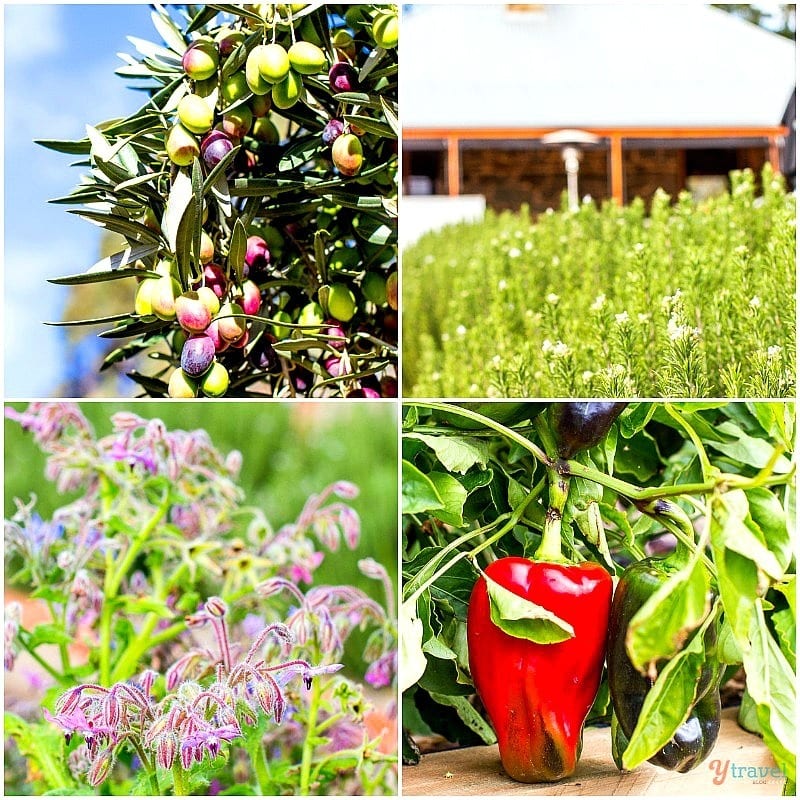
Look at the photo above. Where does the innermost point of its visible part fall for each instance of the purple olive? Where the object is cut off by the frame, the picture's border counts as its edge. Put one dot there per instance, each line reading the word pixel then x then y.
pixel 364 392
pixel 197 355
pixel 342 78
pixel 215 147
pixel 257 255
pixel 332 131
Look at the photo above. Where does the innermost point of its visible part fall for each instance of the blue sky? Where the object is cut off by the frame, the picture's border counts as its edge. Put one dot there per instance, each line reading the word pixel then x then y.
pixel 59 75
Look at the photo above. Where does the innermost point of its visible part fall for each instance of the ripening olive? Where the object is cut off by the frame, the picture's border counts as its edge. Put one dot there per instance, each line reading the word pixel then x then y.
pixel 182 147
pixel 273 62
pixel 307 58
pixel 200 60
pixel 341 302
pixel 195 113
pixel 286 93
pixel 347 154
pixel 181 385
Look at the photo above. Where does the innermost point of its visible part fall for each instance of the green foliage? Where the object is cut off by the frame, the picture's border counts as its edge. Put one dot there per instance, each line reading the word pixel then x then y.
pixel 150 179
pixel 711 484
pixel 288 454
pixel 688 301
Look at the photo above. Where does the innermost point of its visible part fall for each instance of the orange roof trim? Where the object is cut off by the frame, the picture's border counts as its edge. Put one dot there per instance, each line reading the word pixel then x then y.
pixel 714 132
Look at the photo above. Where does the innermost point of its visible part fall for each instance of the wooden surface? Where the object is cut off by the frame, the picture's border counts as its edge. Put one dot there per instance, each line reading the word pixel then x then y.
pixel 477 771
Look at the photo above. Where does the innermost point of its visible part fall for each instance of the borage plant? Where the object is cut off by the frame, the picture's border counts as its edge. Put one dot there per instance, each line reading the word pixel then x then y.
pixel 188 649
pixel 256 194
pixel 518 516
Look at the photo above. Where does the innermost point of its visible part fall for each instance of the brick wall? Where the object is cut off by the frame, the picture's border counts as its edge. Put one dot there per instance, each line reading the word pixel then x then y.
pixel 509 178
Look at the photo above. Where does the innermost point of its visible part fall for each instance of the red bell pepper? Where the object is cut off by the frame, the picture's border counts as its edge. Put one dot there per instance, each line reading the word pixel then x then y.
pixel 538 695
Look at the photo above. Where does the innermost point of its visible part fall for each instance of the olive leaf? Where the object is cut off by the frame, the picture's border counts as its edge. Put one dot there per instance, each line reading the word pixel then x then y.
pixel 524 619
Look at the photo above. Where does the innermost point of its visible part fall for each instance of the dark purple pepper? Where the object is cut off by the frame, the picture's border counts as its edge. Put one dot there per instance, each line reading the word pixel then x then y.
pixel 579 426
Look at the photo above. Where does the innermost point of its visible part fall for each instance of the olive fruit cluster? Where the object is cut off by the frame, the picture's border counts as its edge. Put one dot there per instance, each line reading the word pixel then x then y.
pixel 257 194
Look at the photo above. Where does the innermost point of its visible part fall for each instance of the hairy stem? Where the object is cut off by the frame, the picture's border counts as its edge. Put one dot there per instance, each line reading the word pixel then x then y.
pixel 311 732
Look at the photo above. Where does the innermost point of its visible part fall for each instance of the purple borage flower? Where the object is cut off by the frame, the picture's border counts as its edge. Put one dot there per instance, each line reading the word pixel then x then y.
pixel 191 721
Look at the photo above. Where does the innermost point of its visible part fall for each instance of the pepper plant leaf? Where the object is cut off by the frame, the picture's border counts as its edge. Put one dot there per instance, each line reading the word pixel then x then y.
pixel 771 684
pixel 453 496
pixel 523 619
pixel 412 661
pixel 660 627
pixel 670 700
pixel 457 454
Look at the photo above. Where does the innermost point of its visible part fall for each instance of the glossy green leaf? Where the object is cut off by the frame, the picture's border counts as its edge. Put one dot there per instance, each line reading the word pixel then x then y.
pixel 771 683
pixel 237 250
pixel 660 627
pixel 669 701
pixel 457 454
pixel 523 619
pixel 129 228
pixel 419 493
pixel 453 496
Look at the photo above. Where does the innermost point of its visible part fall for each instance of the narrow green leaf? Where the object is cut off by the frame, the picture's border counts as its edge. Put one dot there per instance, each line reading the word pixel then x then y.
pixel 127 227
pixel 169 32
pixel 373 59
pixel 222 196
pixel 390 113
pixel 237 251
pixel 263 187
pixel 150 49
pixel 371 125
pixel 220 169
pixel 100 277
pixel 180 196
pixel 302 151
pixel 374 230
pixel 72 323
pixel 153 386
pixel 184 243
pixel 133 328
pixel 524 619
pixel 197 192
pixel 357 99
pixel 79 147
pixel 204 16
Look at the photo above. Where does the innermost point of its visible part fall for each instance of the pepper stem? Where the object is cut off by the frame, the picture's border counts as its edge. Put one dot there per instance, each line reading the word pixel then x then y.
pixel 550 547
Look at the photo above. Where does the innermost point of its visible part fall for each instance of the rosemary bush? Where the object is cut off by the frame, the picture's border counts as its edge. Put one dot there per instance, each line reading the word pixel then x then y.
pixel 690 300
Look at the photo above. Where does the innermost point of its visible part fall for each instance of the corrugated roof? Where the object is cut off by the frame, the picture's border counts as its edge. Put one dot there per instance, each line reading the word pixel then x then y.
pixel 590 65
